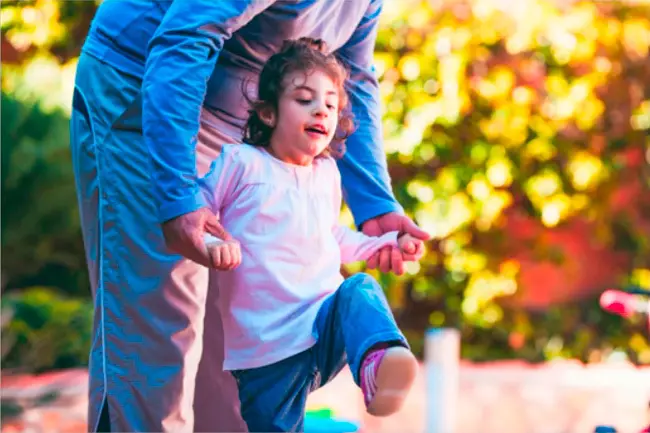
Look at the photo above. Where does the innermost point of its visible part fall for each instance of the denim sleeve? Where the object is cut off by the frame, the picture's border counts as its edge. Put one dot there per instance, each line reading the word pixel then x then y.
pixel 366 183
pixel 181 56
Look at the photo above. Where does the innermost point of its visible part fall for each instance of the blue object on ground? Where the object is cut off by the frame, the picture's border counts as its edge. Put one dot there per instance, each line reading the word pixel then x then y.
pixel 604 429
pixel 319 424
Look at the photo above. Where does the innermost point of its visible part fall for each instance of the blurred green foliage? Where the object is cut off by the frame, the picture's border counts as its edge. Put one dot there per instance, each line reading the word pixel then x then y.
pixel 47 330
pixel 517 135
pixel 506 127
pixel 41 241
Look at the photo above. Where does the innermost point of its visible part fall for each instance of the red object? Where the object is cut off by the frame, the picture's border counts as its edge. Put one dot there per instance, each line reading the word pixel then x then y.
pixel 620 303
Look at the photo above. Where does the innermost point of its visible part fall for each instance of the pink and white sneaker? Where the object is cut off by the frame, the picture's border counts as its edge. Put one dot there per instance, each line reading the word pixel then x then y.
pixel 386 378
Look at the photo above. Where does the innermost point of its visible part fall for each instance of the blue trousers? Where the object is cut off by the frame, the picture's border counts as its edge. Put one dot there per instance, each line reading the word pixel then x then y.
pixel 353 320
pixel 152 368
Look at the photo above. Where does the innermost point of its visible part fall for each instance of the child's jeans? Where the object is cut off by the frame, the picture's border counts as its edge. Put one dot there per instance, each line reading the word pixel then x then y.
pixel 349 323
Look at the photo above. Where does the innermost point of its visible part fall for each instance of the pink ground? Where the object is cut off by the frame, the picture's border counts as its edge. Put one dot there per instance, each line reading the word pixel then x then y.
pixel 504 397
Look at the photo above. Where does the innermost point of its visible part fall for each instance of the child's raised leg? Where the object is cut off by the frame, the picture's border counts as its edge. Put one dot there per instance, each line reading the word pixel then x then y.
pixel 357 321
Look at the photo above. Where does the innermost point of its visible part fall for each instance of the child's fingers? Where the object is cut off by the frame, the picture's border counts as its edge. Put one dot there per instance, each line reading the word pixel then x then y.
pixel 238 253
pixel 419 250
pixel 407 244
pixel 235 254
pixel 215 256
pixel 412 250
pixel 225 256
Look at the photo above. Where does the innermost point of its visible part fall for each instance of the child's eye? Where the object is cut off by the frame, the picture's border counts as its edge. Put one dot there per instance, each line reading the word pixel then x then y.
pixel 303 101
pixel 331 106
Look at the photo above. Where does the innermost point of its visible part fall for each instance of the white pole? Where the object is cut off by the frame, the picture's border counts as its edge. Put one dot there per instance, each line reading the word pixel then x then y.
pixel 442 358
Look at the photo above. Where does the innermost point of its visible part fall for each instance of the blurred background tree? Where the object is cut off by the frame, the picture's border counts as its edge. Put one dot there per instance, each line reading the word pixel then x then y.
pixel 44 278
pixel 40 226
pixel 517 134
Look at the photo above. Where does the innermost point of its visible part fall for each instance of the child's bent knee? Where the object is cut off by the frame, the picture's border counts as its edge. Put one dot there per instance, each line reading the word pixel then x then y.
pixel 364 280
pixel 360 285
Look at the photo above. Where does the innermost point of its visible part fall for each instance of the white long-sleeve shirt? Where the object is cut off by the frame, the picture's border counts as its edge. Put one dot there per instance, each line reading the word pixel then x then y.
pixel 286 219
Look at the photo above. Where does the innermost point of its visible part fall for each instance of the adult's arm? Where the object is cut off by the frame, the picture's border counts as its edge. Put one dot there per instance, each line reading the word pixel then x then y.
pixel 366 183
pixel 181 57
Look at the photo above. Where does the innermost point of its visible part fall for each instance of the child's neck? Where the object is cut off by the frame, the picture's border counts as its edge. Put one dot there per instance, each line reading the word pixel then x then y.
pixel 289 157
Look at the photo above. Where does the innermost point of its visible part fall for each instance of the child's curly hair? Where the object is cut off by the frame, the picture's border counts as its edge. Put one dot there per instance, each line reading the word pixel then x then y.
pixel 306 55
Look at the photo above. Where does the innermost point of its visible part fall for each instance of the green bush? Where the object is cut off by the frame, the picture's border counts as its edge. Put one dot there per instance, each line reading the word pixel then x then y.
pixel 47 330
pixel 41 238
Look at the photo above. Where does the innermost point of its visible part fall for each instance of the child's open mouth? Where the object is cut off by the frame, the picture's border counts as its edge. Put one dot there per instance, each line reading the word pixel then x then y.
pixel 316 130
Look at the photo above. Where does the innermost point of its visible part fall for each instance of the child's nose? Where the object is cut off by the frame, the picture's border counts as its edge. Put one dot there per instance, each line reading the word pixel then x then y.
pixel 320 110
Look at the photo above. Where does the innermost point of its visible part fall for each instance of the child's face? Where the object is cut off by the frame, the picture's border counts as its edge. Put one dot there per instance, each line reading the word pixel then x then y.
pixel 308 113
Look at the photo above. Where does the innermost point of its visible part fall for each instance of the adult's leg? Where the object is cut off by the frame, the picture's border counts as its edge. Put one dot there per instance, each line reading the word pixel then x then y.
pixel 149 304
pixel 216 401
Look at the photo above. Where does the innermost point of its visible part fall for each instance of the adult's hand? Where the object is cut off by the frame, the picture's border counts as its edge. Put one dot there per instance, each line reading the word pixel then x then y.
pixel 391 258
pixel 185 234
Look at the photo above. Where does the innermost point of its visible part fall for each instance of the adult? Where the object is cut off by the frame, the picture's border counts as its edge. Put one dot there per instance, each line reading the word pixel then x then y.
pixel 158 91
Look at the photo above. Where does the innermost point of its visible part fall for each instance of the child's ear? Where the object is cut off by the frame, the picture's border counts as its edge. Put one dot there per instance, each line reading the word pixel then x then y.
pixel 267 115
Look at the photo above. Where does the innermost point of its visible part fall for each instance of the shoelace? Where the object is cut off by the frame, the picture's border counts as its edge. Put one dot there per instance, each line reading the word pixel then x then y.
pixel 371 364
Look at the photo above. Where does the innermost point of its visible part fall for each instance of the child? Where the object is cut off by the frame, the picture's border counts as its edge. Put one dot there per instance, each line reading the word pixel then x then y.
pixel 291 321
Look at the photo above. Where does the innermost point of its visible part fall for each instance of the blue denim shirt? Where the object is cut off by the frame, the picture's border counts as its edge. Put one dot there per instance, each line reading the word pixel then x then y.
pixel 198 53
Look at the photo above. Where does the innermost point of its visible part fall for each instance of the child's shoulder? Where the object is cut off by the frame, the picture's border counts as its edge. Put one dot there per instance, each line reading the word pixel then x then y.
pixel 243 154
pixel 240 151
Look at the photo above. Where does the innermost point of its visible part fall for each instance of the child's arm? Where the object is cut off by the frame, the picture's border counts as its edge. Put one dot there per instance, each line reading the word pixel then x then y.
pixel 219 187
pixel 356 246
pixel 220 184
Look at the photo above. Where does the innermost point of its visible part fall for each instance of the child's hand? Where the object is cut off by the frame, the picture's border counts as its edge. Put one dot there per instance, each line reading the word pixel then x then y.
pixel 224 255
pixel 412 248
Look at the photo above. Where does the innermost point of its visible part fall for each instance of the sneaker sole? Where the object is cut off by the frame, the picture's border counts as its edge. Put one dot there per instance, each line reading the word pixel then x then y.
pixel 395 377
